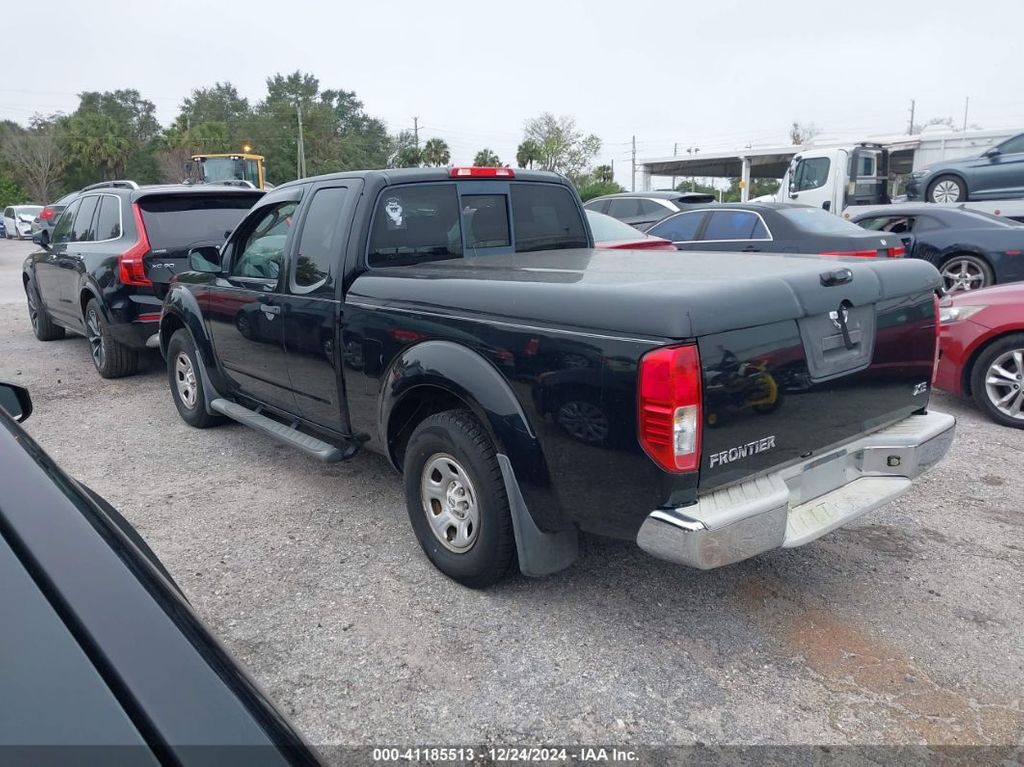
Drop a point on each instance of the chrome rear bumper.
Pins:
(801, 502)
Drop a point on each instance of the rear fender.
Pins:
(546, 542)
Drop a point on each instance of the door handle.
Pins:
(270, 309)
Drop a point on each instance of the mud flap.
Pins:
(539, 553)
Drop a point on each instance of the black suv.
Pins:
(110, 257)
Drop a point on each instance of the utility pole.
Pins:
(963, 139)
(633, 183)
(300, 159)
(416, 131)
(910, 128)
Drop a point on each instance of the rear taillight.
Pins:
(131, 270)
(851, 253)
(669, 404)
(47, 213)
(935, 363)
(897, 252)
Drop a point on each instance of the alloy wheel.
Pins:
(95, 336)
(962, 274)
(946, 191)
(185, 380)
(450, 503)
(1004, 383)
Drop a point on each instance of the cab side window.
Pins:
(261, 249)
(321, 242)
(414, 224)
(811, 174)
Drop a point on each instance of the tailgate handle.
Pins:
(836, 277)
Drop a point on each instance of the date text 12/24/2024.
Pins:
(584, 754)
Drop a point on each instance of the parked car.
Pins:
(112, 254)
(18, 221)
(982, 350)
(774, 228)
(611, 233)
(528, 386)
(3, 228)
(42, 225)
(101, 649)
(971, 249)
(995, 174)
(643, 209)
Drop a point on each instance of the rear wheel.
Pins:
(966, 272)
(947, 189)
(997, 381)
(111, 358)
(190, 398)
(456, 499)
(44, 328)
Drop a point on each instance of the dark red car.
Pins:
(611, 233)
(982, 350)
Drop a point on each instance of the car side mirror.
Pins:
(37, 238)
(992, 153)
(204, 259)
(16, 401)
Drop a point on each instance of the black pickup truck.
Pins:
(710, 406)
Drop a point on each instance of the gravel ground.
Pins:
(901, 628)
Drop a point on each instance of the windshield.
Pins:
(216, 169)
(28, 211)
(606, 228)
(818, 221)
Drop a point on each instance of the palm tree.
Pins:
(436, 152)
(527, 154)
(485, 158)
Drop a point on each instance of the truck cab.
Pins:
(834, 178)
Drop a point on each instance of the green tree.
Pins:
(591, 187)
(436, 152)
(217, 104)
(35, 160)
(486, 158)
(527, 154)
(561, 146)
(11, 192)
(97, 145)
(801, 133)
(604, 174)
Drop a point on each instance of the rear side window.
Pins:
(320, 243)
(62, 229)
(680, 228)
(1013, 146)
(732, 225)
(108, 220)
(179, 222)
(413, 224)
(82, 231)
(624, 207)
(546, 217)
(652, 209)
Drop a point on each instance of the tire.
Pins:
(451, 455)
(947, 189)
(111, 358)
(997, 381)
(963, 272)
(43, 326)
(186, 383)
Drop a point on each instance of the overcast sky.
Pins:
(715, 75)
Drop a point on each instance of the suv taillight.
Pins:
(131, 270)
(669, 404)
(46, 214)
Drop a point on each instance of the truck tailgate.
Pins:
(790, 390)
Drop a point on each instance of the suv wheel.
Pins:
(186, 382)
(111, 358)
(44, 328)
(997, 381)
(456, 499)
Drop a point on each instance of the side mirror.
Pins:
(992, 153)
(16, 401)
(204, 259)
(40, 238)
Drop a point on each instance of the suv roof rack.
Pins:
(117, 183)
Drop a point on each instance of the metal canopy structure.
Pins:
(768, 162)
